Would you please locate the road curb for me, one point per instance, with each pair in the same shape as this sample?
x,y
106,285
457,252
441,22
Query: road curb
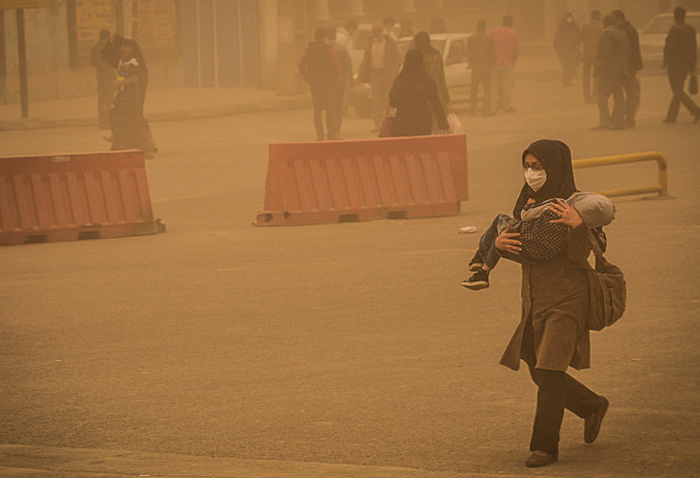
x,y
281,103
277,104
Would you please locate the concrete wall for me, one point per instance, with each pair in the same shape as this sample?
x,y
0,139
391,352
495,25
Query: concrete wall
x,y
47,57
49,74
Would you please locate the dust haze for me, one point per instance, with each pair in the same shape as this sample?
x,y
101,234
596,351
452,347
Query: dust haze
x,y
349,345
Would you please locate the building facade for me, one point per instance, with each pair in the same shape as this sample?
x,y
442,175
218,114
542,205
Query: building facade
x,y
246,43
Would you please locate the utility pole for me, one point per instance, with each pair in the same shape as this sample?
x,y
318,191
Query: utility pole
x,y
22,54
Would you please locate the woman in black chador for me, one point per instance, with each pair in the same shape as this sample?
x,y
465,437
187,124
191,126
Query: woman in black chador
x,y
567,44
112,54
415,97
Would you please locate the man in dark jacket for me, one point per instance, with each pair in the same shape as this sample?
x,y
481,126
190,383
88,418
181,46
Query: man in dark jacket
x,y
590,38
105,78
631,85
341,85
320,68
481,55
611,72
680,55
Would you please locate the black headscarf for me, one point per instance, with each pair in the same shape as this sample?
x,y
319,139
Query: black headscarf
x,y
413,63
555,157
421,41
412,78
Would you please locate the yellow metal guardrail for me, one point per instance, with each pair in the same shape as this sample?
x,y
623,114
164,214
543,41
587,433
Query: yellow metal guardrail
x,y
661,187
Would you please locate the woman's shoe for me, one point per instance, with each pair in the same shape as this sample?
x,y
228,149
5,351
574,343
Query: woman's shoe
x,y
536,460
593,421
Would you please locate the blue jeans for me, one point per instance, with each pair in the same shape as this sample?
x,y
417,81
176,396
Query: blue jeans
x,y
487,243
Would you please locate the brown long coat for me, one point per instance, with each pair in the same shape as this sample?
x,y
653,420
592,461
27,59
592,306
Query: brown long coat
x,y
555,296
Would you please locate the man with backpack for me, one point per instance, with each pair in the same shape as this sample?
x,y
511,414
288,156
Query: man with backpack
x,y
320,68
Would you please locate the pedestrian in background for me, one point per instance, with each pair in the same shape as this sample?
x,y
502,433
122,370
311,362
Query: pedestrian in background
x,y
680,57
346,35
112,55
380,65
414,94
390,28
341,85
611,72
567,44
320,68
481,55
105,79
590,38
553,334
434,65
631,86
507,42
126,117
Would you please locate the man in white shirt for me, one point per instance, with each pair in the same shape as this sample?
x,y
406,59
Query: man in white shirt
x,y
346,35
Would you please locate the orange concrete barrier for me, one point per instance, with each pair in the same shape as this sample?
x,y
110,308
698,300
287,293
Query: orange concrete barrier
x,y
74,196
381,178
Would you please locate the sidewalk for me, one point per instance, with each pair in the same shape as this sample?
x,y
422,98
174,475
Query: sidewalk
x,y
165,104
169,104
40,462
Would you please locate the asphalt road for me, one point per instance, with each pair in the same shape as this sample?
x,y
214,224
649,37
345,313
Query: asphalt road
x,y
349,343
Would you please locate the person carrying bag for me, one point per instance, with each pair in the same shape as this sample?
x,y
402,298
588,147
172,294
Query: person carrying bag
x,y
608,290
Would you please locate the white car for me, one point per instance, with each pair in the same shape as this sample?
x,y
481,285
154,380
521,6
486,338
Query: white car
x,y
652,38
453,47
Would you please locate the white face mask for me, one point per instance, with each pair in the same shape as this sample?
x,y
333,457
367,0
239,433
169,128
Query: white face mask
x,y
535,179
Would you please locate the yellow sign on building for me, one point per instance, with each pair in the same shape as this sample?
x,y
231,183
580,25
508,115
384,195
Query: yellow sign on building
x,y
19,4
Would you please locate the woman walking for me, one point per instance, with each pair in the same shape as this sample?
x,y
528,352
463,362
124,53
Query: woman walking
x,y
552,334
415,97
432,58
126,117
112,54
567,44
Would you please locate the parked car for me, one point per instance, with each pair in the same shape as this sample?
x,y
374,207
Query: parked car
x,y
652,37
453,47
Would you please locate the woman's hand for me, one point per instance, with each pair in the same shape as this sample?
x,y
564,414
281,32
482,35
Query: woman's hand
x,y
567,214
508,242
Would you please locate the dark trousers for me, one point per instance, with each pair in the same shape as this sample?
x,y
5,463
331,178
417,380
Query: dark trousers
x,y
105,93
611,85
568,67
633,94
590,86
337,110
322,98
556,391
677,74
487,242
483,77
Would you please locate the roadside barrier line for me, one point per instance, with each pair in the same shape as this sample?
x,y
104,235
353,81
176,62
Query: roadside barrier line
x,y
661,187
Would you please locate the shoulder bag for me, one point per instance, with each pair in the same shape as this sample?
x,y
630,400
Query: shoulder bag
x,y
607,290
